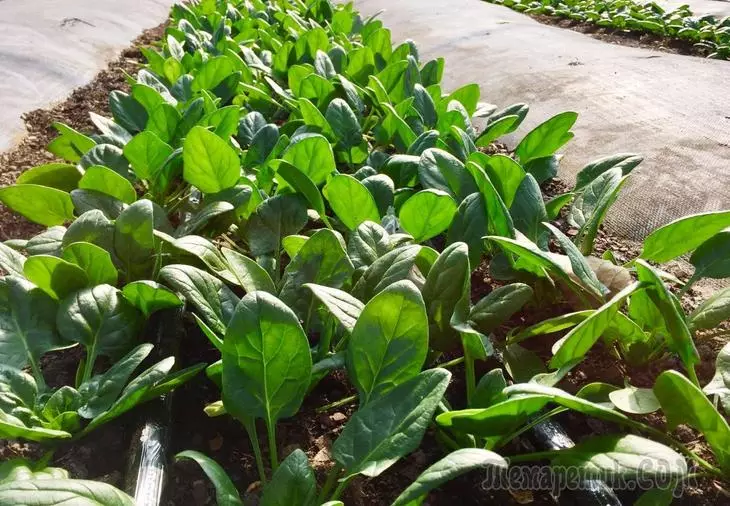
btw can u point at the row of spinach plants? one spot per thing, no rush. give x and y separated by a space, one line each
708 34
318 202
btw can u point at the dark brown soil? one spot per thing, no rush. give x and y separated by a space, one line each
74 111
623 37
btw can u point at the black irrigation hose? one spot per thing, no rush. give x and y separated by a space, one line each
148 456
550 435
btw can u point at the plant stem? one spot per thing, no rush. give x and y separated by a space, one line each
253 436
670 441
89 365
691 281
329 483
340 488
273 453
471 380
536 421
325 340
451 363
336 404
38 375
533 456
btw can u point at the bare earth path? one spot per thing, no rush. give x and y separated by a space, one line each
672 109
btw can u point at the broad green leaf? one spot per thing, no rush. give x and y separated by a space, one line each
93 226
48 242
506 175
100 392
496 420
394 266
148 296
200 219
134 239
382 188
129 113
313 117
147 154
528 211
100 319
45 492
321 260
250 275
344 123
581 339
266 361
107 155
468 95
205 251
438 169
625 162
299 181
70 144
622 455
556 204
62 176
453 465
547 137
212 299
55 276
351 201
89 200
342 305
499 306
469 226
683 235
390 427
489 389
209 162
274 219
212 72
710 259
551 325
313 156
389 342
578 262
679 339
11 261
427 213
447 283
225 491
684 403
293 482
711 312
496 129
40 204
111 131
638 401
367 243
95 261
499 220
27 324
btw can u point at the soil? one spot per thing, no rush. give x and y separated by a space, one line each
623 37
103 454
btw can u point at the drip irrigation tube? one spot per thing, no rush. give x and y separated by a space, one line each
148 455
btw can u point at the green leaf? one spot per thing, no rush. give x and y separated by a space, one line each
453 465
581 339
590 207
684 403
200 219
40 204
578 262
11 261
148 296
683 235
499 219
147 154
275 218
95 261
382 188
250 275
367 243
438 169
27 324
213 72
293 482
55 276
622 455
100 319
496 129
470 225
679 339
299 181
225 491
134 239
212 299
62 176
710 259
351 201
394 266
638 401
342 305
313 156
506 175
45 492
344 123
209 162
499 306
528 211
551 325
107 155
711 312
266 361
321 260
70 145
390 427
127 111
447 283
389 342
625 162
547 137
100 392
556 204
489 389
48 242
427 213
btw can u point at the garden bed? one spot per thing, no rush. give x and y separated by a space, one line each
507 199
